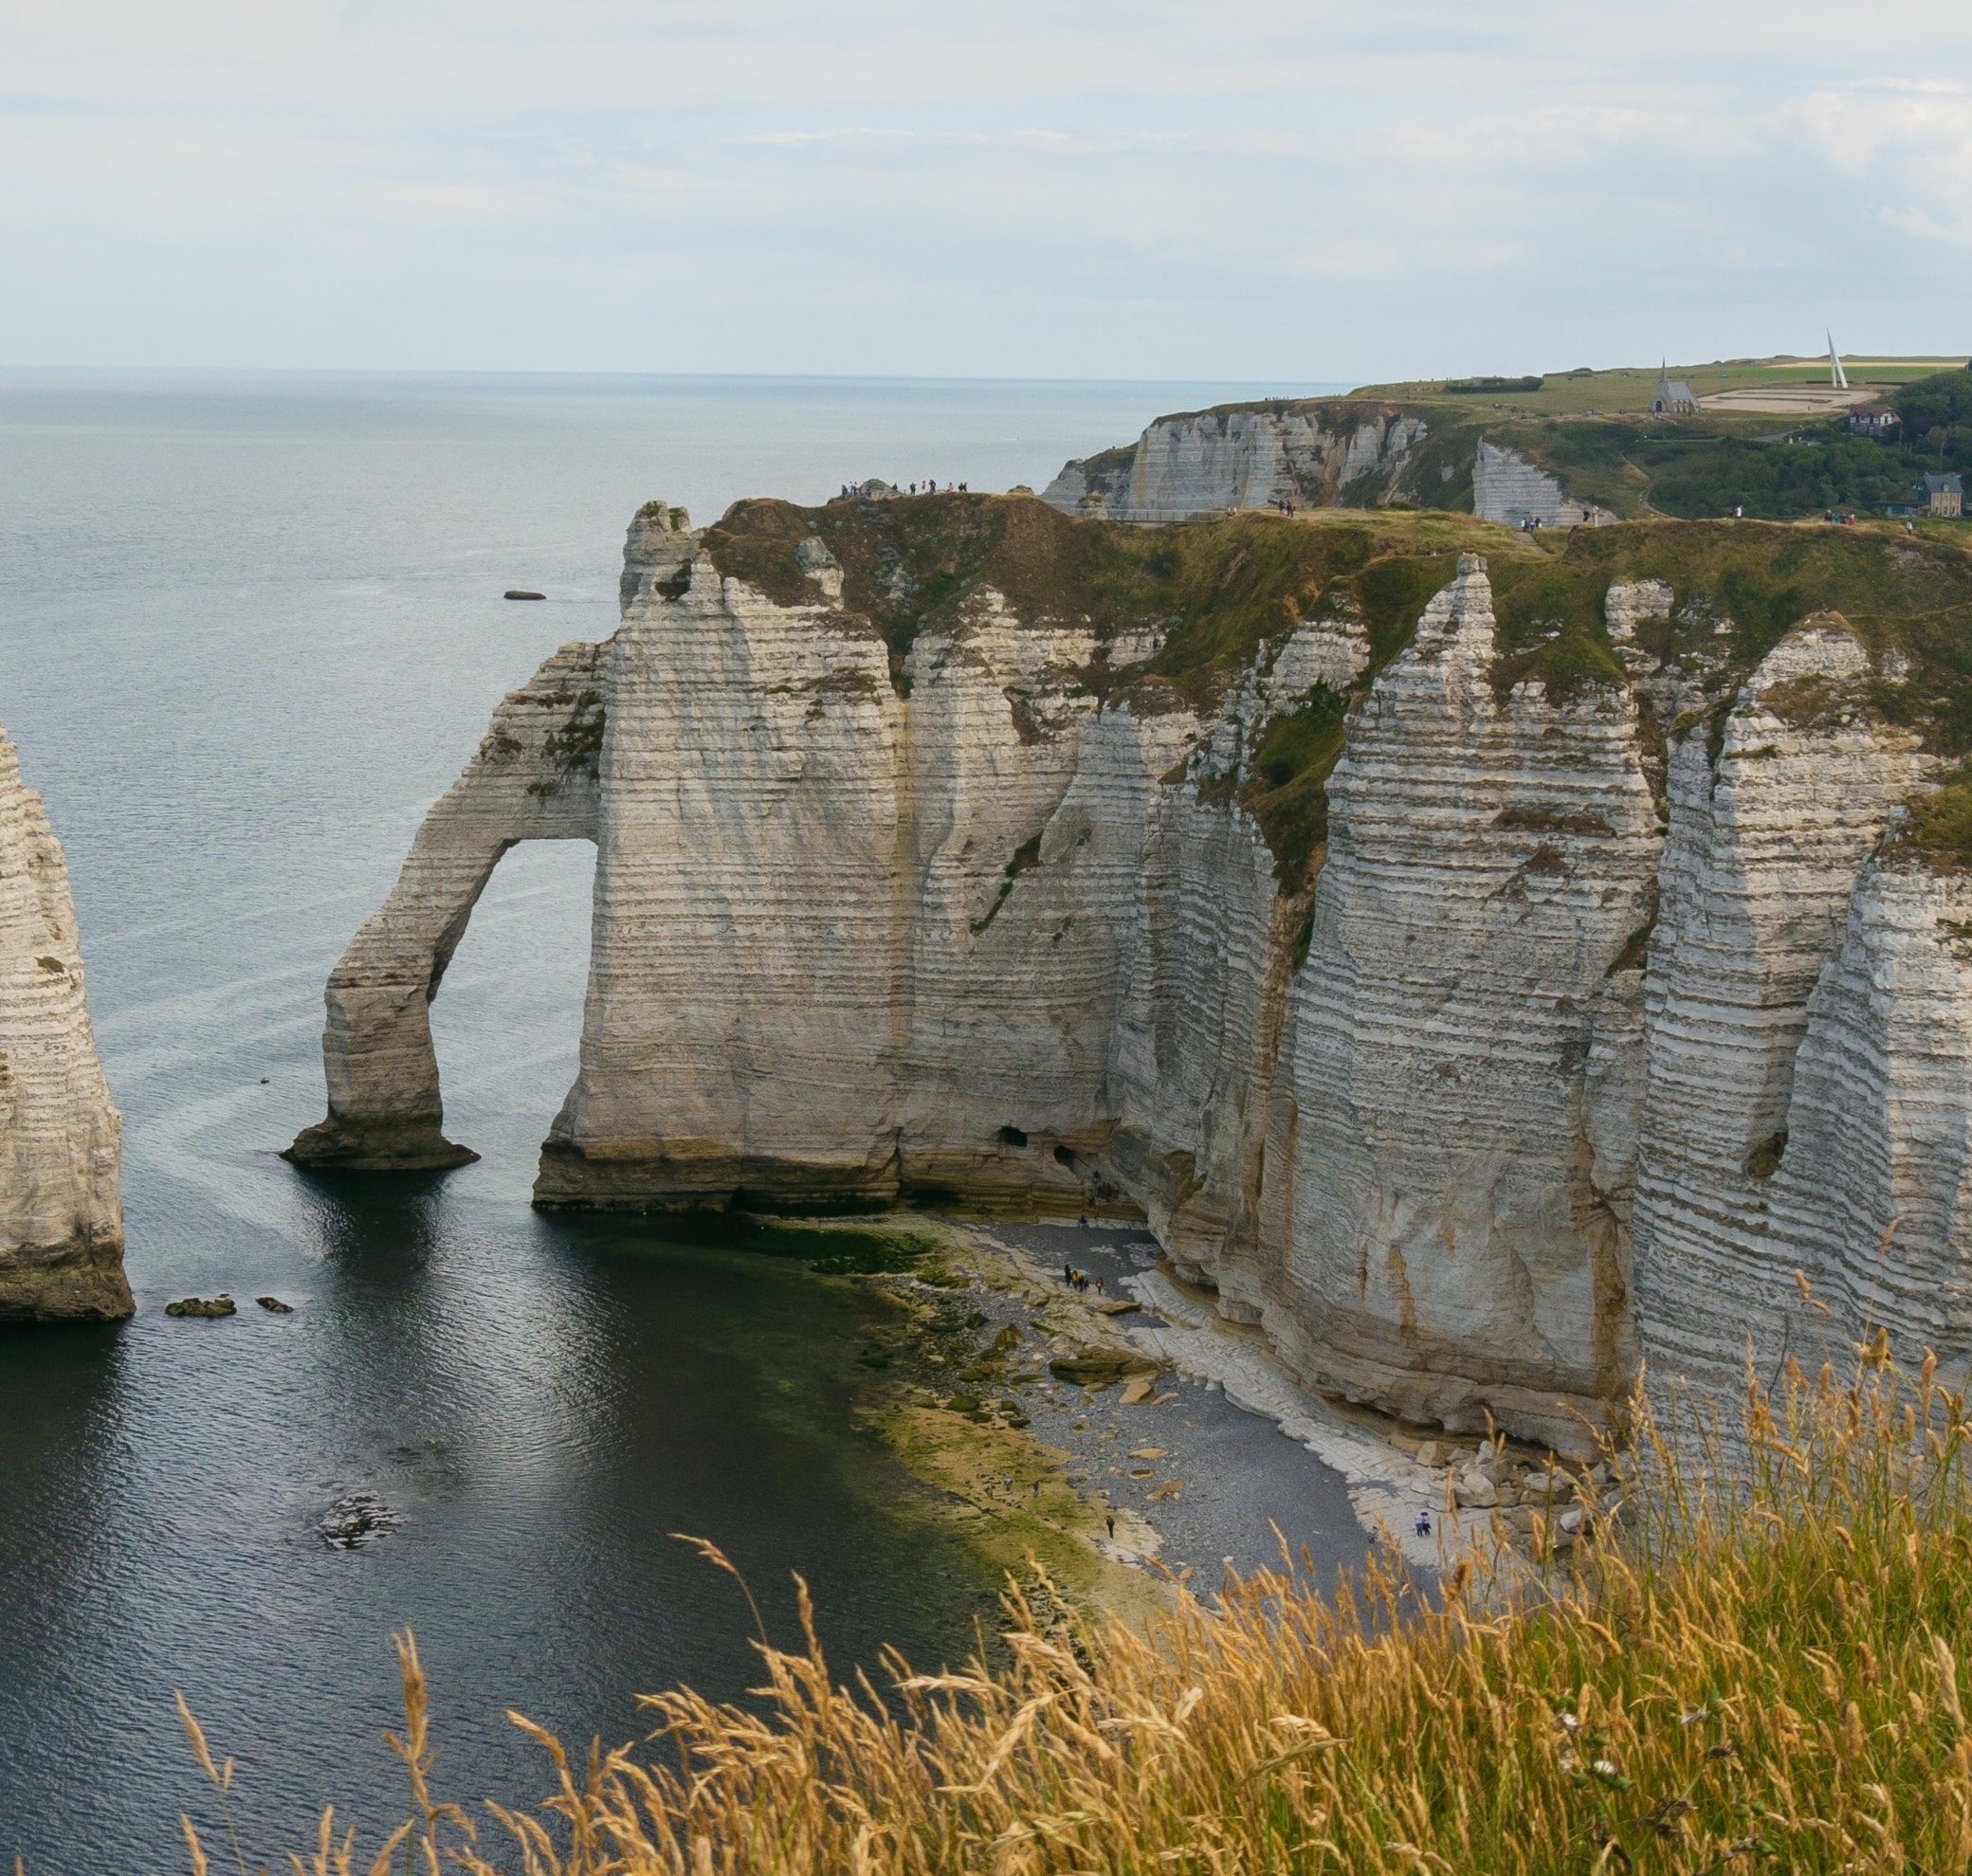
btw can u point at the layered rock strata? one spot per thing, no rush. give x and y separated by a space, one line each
1246 456
1472 994
1508 486
61 1223
1315 454
1749 1168
1453 1201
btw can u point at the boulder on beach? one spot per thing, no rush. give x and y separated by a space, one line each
1100 1367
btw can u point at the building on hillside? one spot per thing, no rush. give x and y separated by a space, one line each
1945 495
1877 420
1673 396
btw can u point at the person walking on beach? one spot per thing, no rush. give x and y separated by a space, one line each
1112 1526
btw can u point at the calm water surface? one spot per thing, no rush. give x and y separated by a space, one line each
249 627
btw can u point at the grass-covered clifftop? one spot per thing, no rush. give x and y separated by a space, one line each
1219 588
1594 431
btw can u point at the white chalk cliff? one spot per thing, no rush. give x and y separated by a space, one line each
1317 453
1246 456
1605 997
61 1224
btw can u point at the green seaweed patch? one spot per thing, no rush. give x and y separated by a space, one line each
831 1250
1286 790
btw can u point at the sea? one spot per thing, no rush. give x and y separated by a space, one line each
250 626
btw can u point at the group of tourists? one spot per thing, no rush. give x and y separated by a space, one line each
1078 1279
883 491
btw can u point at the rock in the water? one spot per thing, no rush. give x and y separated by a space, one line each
60 1222
202 1305
355 1519
275 1306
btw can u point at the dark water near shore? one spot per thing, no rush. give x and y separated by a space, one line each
248 629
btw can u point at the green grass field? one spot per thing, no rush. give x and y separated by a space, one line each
1626 390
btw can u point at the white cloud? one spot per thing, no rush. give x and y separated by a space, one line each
1274 188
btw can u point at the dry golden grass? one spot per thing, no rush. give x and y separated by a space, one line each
1765 1676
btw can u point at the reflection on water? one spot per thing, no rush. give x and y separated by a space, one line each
532 1405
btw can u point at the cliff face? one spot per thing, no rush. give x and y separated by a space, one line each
1325 453
1457 1156
1781 1093
60 1225
1247 456
1475 975
1508 486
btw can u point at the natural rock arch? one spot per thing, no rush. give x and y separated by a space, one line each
533 777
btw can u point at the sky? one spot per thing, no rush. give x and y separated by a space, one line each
1250 190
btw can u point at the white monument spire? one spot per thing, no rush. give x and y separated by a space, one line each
1837 375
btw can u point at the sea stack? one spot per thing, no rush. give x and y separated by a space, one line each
60 1222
